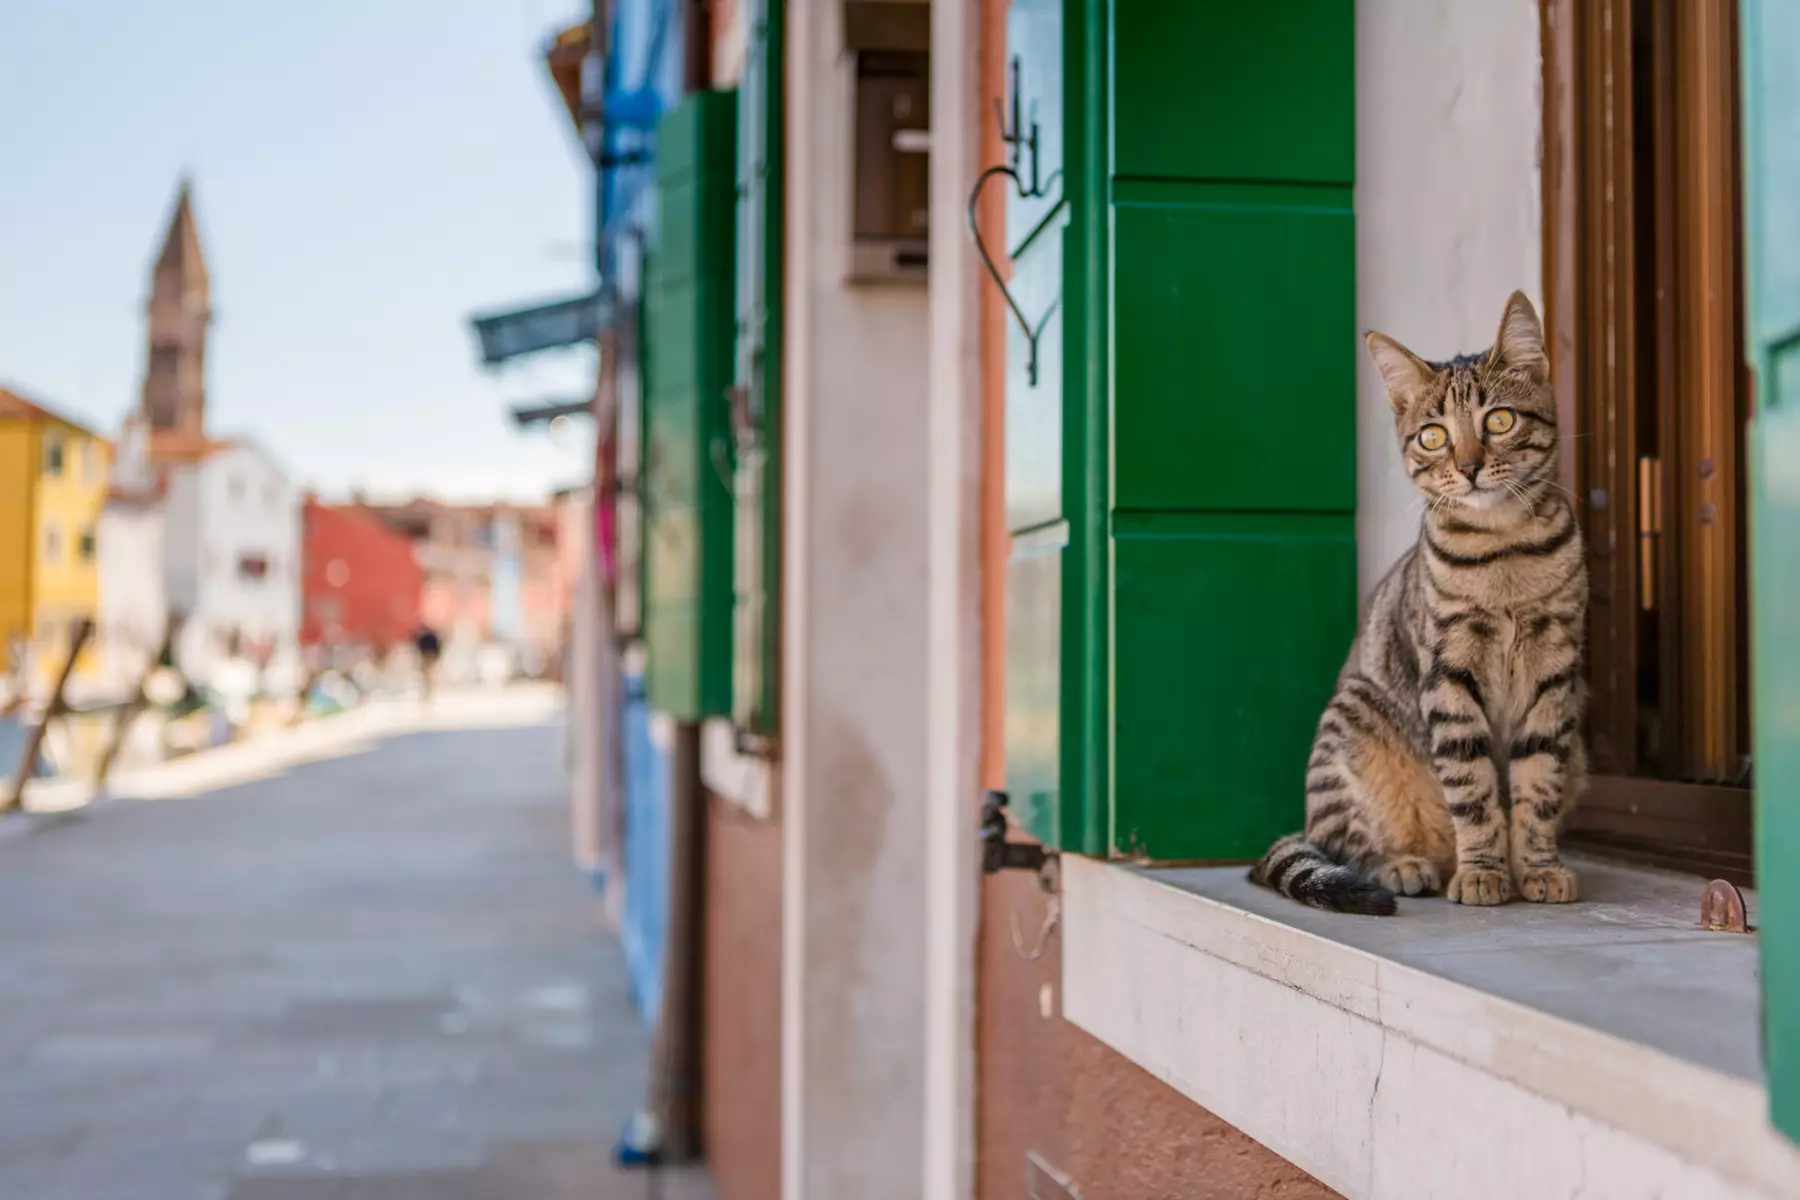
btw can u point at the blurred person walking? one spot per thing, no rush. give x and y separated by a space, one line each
430 650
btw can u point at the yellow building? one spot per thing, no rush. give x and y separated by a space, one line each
53 474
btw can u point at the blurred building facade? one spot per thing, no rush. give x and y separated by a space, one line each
490 579
202 528
52 487
361 581
880 544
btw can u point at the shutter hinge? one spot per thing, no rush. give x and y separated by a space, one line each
998 854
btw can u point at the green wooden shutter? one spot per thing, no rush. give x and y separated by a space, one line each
1178 606
1042 764
758 377
688 459
1233 330
1771 31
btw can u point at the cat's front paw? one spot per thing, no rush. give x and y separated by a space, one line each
1408 875
1548 885
1479 885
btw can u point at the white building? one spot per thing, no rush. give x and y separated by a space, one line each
208 530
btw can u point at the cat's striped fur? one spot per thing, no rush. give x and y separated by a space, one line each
1451 752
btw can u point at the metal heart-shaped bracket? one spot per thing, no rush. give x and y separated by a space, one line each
1032 332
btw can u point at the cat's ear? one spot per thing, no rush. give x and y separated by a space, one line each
1405 373
1519 346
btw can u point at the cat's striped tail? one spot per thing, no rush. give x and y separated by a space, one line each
1301 871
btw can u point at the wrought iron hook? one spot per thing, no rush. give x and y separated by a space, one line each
1019 141
1032 332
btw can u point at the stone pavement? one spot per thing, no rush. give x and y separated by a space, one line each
374 976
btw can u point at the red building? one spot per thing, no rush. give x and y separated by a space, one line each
361 582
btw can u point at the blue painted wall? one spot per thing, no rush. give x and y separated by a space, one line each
643 923
643 78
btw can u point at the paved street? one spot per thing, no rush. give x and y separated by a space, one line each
371 977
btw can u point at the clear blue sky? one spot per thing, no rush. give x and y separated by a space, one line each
366 174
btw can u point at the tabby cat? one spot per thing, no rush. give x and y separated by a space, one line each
1451 751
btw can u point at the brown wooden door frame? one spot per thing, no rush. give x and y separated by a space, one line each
1642 270
1590 207
1704 384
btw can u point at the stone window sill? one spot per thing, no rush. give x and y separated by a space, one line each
1609 1048
744 780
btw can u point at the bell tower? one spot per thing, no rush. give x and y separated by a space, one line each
179 310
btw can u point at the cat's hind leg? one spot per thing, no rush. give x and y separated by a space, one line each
1412 842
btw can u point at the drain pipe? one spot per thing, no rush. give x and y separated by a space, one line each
675 1048
667 1130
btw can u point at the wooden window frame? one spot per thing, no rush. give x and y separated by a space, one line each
1643 283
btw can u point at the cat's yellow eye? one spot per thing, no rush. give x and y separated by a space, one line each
1433 437
1501 420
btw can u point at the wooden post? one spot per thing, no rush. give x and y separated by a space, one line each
15 672
139 698
78 636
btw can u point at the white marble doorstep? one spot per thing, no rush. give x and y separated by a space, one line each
1629 959
1415 1055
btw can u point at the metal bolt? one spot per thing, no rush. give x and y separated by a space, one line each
1722 908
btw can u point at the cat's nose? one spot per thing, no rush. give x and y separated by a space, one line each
1470 468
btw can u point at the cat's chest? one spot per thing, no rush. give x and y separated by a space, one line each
1514 660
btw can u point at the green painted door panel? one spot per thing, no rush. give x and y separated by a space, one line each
688 459
1230 633
1770 33
1234 354
1224 89
1034 416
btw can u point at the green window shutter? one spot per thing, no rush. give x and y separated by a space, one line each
1045 586
688 459
1176 611
757 394
1771 29
1233 335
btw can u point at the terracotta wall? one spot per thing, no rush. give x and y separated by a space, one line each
742 1013
1042 1084
360 581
